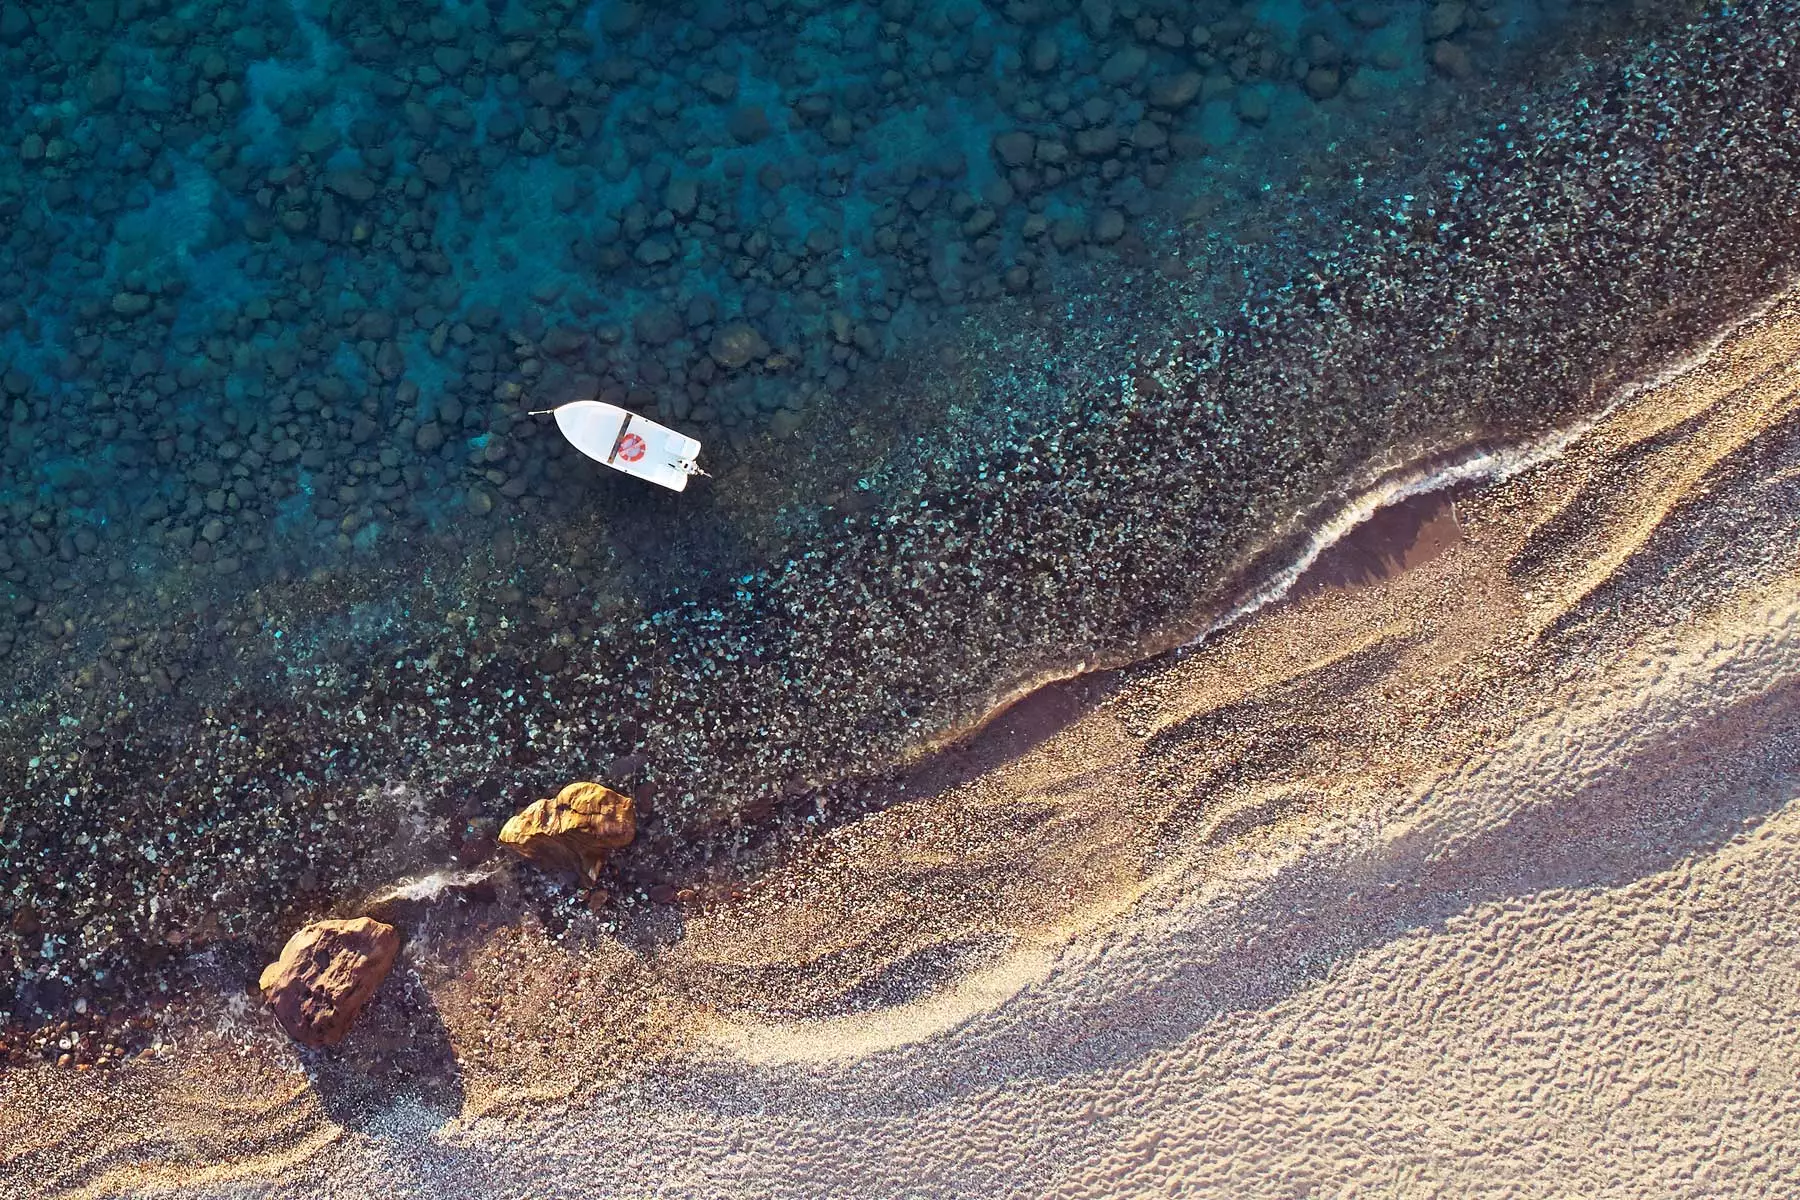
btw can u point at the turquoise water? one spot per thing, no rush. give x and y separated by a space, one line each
1067 307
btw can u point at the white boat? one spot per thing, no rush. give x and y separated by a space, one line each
627 442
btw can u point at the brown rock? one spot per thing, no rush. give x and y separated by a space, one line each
325 974
352 185
573 831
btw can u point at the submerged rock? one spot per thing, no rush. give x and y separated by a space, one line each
325 974
737 345
574 830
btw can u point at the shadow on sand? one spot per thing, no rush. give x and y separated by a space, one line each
397 1071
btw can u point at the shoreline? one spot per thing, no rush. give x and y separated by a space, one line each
318 757
1258 584
1498 789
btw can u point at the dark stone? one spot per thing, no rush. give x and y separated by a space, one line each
737 344
1175 91
657 325
1124 66
1452 60
682 197
720 85
351 185
563 341
1097 143
105 84
14 25
1015 149
750 123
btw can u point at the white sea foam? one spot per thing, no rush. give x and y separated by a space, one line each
434 885
1481 466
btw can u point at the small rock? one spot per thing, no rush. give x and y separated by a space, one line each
1175 91
682 197
1148 135
737 344
620 19
105 84
574 830
1109 226
351 185
14 24
1445 19
1097 143
549 90
1322 83
1124 66
130 304
749 124
720 85
563 341
1066 233
1015 149
325 974
451 60
435 168
657 325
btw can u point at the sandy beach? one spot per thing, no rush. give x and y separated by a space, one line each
1469 869
1241 639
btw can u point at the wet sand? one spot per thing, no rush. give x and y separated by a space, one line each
1468 869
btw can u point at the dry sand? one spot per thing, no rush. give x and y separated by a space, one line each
1473 868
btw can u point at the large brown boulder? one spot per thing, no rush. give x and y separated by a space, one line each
573 830
325 974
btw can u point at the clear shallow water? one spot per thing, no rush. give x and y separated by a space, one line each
284 279
303 598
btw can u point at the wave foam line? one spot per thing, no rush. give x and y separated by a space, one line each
1485 466
430 887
